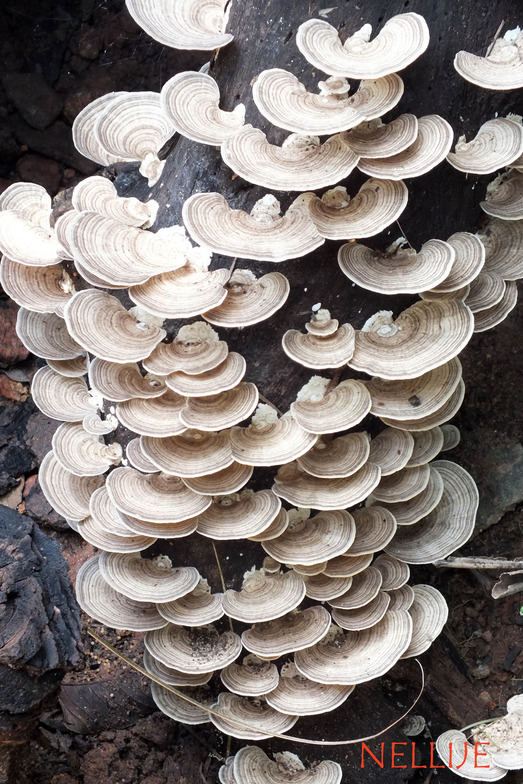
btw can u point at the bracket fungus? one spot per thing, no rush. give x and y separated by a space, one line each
250 765
459 755
98 194
376 139
249 299
319 409
336 458
61 397
289 633
297 487
314 540
504 197
239 516
500 69
183 24
497 143
40 289
402 40
270 440
263 235
248 717
320 351
264 597
286 103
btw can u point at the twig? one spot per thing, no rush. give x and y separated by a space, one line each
232 268
404 235
222 579
270 403
333 383
245 725
496 34
479 562
428 777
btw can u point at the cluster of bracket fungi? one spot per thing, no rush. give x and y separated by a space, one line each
325 609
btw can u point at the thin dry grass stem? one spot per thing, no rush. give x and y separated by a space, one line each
270 403
244 725
222 578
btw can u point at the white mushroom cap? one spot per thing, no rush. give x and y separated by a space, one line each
454 749
301 489
451 437
181 710
485 291
323 588
196 349
155 497
250 300
90 530
170 676
162 530
196 608
427 445
298 695
252 765
376 139
30 199
468 262
319 410
364 588
183 24
364 617
284 100
194 453
357 657
500 69
85 141
145 579
377 204
190 99
264 597
61 397
395 573
155 416
292 632
438 417
194 651
398 270
183 293
250 718
336 459
429 612
42 289
96 597
347 565
119 382
26 242
432 145
315 540
402 40
317 352
98 194
275 529
490 317
239 516
67 493
224 410
503 241
413 510
270 440
228 480
265 236
302 163
375 527
252 678
137 458
82 453
446 528
423 337
224 376
70 368
504 198
104 327
391 450
497 143
46 335
402 485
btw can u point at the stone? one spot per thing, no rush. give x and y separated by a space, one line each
502 486
25 437
12 350
33 98
89 43
13 390
44 171
38 508
55 142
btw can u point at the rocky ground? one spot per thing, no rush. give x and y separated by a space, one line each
55 59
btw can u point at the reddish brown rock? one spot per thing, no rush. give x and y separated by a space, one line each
13 390
12 350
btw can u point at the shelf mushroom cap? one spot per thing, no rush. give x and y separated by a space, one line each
504 735
252 765
249 299
190 99
101 325
228 480
468 263
196 349
497 143
182 293
376 139
170 676
67 493
447 527
319 352
503 241
364 588
270 440
90 530
399 270
264 597
451 437
60 397
302 163
146 579
85 141
377 204
504 197
365 617
153 416
82 453
454 749
248 717
418 507
197 24
106 515
318 410
262 235
41 289
194 453
402 485
429 612
252 678
96 597
26 242
490 317
46 335
323 588
197 608
485 291
301 489
501 69
70 368
356 657
297 694
402 40
195 651
98 194
240 515
391 450
395 573
286 103
314 540
427 445
31 200
156 498
224 410
347 565
178 708
423 337
292 632
438 417
224 376
432 145
375 527
120 382
275 529
416 397
336 459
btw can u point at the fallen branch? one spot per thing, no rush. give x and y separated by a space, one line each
479 562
